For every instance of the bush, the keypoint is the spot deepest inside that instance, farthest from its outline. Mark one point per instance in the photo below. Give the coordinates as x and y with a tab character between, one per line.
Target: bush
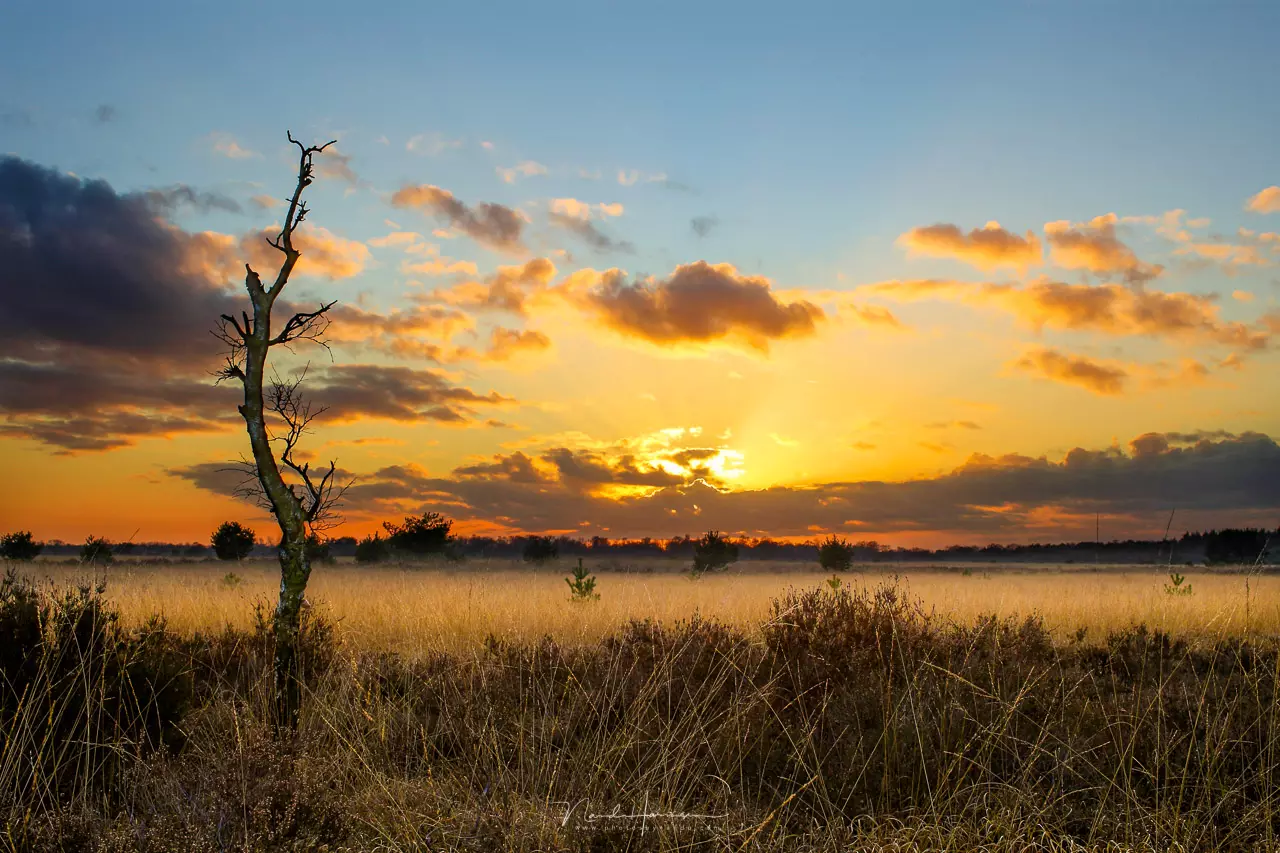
318	550
835	554
372	549
713	553
428	534
539	549
96	550
232	541
19	547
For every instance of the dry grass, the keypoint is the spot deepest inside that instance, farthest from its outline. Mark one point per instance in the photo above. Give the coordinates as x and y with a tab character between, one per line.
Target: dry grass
415	610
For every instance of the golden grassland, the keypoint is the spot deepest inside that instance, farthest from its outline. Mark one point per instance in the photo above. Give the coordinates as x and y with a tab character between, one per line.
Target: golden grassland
414	609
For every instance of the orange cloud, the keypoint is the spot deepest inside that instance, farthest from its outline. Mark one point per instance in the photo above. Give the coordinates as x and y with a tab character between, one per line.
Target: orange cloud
1093	246
1265	201
1095	376
987	247
505	344
323	252
493	225
1108	308
699	303
509	289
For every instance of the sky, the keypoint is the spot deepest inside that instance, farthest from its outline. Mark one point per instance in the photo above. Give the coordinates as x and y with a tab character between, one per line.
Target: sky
921	273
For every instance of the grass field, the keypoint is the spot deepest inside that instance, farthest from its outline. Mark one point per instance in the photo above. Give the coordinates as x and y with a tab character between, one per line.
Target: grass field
413	609
762	711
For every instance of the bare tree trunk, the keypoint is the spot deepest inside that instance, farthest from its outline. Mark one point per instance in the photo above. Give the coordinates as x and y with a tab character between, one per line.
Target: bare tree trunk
250	340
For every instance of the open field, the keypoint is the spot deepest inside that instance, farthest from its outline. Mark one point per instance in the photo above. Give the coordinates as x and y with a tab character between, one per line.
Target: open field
417	609
763	711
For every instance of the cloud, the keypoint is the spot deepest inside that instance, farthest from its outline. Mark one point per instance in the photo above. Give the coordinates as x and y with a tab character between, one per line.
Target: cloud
431	144
1110	378
1094	247
331	164
703	225
226	145
527	169
1217	480
699	303
266	202
323	252
509	289
1265	201
351	392
491	224
505	344
106	340
590	234
1111	309
169	199
105	114
986	248
573	209
1095	376
951	424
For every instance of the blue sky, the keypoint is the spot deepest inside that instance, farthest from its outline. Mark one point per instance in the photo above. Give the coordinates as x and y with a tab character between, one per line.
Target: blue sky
822	141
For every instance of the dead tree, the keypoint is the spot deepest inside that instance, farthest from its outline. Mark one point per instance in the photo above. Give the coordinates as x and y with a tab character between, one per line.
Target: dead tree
302	502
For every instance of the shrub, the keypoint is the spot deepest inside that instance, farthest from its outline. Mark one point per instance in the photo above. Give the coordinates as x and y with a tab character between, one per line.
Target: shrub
539	549
428	534
19	547
232	541
835	554
318	550
372	549
96	550
713	553
582	585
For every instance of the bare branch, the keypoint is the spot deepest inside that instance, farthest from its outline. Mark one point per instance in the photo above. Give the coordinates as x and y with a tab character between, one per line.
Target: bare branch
305	325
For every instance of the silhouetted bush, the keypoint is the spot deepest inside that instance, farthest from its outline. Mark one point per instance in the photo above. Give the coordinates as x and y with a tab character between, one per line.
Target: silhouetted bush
372	549
19	547
422	536
319	550
232	541
539	549
835	554
96	550
80	696
713	552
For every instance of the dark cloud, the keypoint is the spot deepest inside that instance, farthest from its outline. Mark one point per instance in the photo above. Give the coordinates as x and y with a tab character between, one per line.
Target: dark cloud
700	303
494	225
702	225
590	234
354	391
170	199
94	271
105	114
1010	497
331	164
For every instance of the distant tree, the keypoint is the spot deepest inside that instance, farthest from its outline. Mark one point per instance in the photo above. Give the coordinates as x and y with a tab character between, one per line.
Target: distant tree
96	550
19	547
318	549
713	552
424	535
539	549
372	549
835	554
1234	546
232	541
